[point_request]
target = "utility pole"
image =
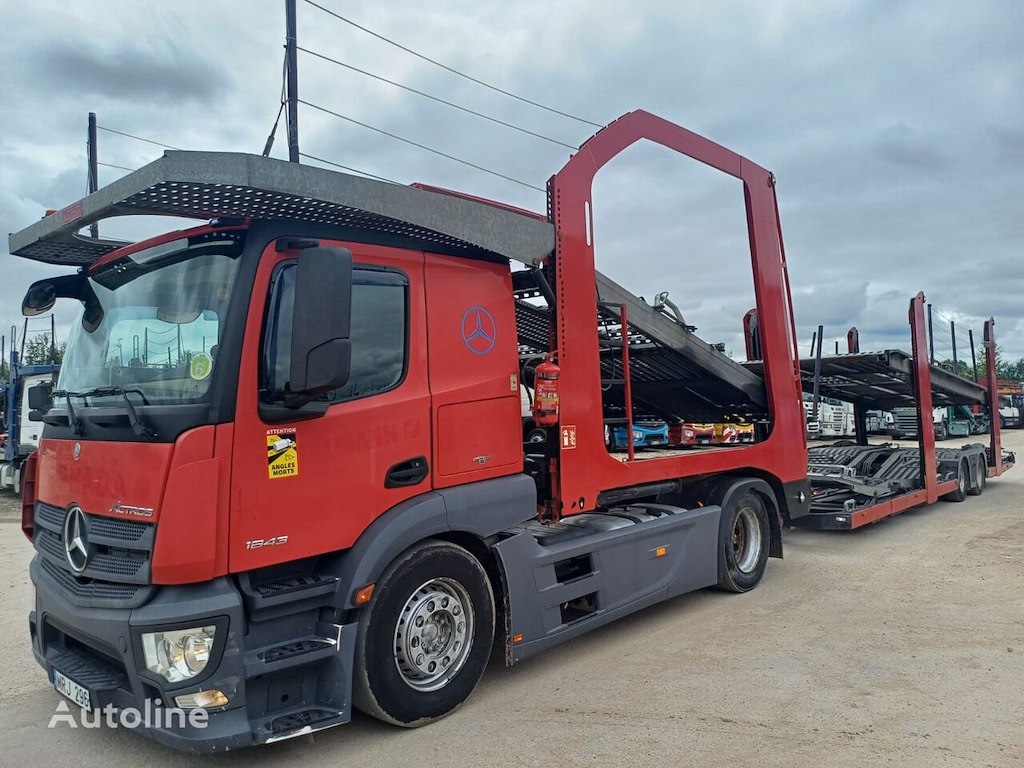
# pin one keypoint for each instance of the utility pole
(952, 335)
(293, 82)
(974, 361)
(931, 338)
(94, 181)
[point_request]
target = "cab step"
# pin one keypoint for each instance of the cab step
(287, 595)
(322, 644)
(297, 722)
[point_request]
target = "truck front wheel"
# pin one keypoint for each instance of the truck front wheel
(743, 539)
(425, 637)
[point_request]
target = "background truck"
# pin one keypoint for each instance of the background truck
(879, 422)
(1009, 412)
(947, 421)
(21, 434)
(337, 508)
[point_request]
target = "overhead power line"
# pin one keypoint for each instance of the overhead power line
(439, 100)
(137, 138)
(454, 71)
(421, 146)
(111, 165)
(348, 168)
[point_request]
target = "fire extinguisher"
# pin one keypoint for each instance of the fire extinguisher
(545, 393)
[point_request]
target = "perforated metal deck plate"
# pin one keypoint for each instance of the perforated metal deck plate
(206, 185)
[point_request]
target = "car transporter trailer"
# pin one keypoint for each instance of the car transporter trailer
(854, 483)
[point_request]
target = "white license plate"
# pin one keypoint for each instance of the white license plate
(704, 441)
(68, 687)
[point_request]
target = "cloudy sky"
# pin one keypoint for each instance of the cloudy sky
(896, 131)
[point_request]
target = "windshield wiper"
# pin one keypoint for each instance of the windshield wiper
(73, 420)
(139, 427)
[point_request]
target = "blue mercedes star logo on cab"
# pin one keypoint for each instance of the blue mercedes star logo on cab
(479, 331)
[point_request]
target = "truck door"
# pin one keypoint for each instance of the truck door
(306, 487)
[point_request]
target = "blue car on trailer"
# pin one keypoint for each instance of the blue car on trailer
(645, 434)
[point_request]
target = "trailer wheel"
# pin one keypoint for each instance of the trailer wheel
(979, 488)
(743, 539)
(425, 637)
(962, 483)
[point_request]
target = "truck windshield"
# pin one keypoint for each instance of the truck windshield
(151, 321)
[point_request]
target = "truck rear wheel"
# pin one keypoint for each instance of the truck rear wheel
(979, 488)
(962, 481)
(743, 540)
(425, 637)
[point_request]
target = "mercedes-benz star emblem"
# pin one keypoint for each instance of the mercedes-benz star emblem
(76, 542)
(479, 331)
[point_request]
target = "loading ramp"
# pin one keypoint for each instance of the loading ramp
(882, 380)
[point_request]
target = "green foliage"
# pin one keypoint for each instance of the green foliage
(39, 351)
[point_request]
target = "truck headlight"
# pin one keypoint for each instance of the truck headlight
(178, 654)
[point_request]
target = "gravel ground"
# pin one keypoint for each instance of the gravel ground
(899, 644)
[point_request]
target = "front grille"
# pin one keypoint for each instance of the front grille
(120, 554)
(89, 590)
(125, 530)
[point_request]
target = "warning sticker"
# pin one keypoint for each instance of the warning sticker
(282, 454)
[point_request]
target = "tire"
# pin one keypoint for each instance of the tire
(979, 488)
(537, 436)
(1002, 422)
(941, 433)
(743, 542)
(963, 478)
(393, 682)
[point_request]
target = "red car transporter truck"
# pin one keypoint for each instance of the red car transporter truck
(283, 471)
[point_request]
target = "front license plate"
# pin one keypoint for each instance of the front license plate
(68, 687)
(704, 441)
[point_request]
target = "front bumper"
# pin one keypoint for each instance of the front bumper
(284, 674)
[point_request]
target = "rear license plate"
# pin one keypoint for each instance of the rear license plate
(68, 687)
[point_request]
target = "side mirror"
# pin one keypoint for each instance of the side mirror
(321, 353)
(40, 400)
(43, 294)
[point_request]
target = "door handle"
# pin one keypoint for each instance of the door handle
(408, 472)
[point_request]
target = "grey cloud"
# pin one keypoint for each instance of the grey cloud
(153, 72)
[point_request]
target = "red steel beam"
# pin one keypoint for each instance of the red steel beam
(628, 394)
(923, 390)
(996, 466)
